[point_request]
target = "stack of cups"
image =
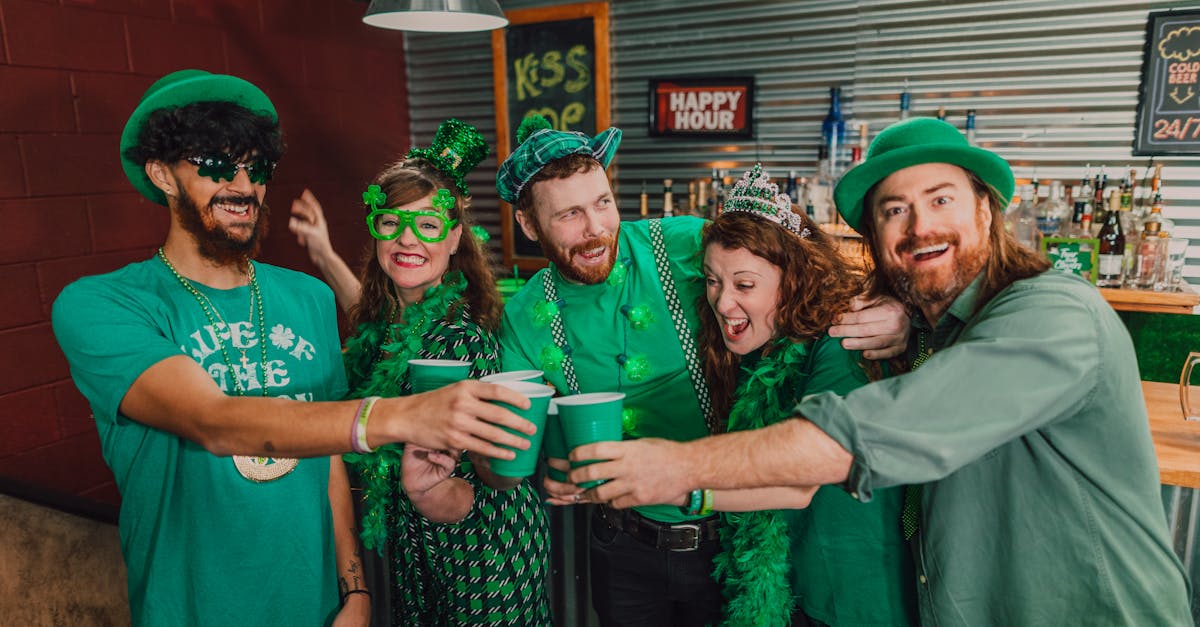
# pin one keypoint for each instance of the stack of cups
(587, 418)
(430, 374)
(525, 461)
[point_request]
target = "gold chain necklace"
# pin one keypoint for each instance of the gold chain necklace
(214, 316)
(255, 468)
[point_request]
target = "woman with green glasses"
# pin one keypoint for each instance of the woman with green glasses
(458, 551)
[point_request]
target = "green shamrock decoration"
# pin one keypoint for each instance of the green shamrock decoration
(637, 368)
(544, 312)
(552, 358)
(640, 317)
(374, 197)
(443, 200)
(629, 421)
(481, 233)
(617, 275)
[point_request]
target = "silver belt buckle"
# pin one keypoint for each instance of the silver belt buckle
(695, 529)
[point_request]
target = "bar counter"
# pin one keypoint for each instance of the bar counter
(1176, 441)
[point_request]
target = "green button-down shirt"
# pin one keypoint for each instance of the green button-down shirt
(1028, 427)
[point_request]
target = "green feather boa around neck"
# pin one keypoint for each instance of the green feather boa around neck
(369, 375)
(754, 563)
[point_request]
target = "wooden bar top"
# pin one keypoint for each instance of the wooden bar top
(1176, 441)
(1179, 302)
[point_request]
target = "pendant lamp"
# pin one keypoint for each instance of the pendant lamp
(436, 16)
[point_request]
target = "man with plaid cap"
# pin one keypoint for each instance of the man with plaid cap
(616, 312)
(1022, 429)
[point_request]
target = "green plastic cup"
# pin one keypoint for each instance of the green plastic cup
(534, 376)
(587, 418)
(525, 462)
(431, 374)
(554, 444)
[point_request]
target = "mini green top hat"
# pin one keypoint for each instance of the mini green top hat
(539, 144)
(914, 142)
(176, 90)
(456, 149)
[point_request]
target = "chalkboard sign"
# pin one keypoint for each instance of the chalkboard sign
(551, 61)
(1168, 117)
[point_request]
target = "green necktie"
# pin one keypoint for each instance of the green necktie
(910, 513)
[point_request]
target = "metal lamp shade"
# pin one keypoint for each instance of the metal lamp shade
(436, 16)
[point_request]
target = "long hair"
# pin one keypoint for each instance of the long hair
(407, 181)
(1007, 260)
(815, 287)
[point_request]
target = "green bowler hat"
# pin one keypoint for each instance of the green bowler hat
(912, 142)
(176, 90)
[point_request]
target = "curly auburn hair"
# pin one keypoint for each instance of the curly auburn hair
(816, 286)
(407, 181)
(204, 128)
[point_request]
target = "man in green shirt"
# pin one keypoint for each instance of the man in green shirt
(1024, 419)
(616, 312)
(194, 363)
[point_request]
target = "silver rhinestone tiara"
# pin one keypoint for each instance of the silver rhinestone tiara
(755, 193)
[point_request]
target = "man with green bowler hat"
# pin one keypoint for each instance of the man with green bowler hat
(1022, 423)
(615, 312)
(194, 361)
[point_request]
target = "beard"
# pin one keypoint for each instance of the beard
(926, 290)
(563, 258)
(216, 242)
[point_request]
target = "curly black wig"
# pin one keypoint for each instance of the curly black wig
(206, 128)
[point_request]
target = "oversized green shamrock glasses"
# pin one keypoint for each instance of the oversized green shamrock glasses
(225, 168)
(428, 226)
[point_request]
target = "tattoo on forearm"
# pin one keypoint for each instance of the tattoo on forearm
(268, 447)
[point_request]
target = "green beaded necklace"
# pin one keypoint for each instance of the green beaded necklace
(214, 316)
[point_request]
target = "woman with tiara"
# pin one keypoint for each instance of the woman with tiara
(775, 283)
(459, 552)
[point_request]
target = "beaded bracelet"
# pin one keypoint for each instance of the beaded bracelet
(706, 504)
(358, 440)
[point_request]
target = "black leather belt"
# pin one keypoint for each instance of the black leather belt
(686, 536)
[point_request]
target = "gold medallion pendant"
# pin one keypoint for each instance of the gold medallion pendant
(263, 469)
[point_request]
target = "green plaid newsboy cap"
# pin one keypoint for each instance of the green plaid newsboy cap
(539, 145)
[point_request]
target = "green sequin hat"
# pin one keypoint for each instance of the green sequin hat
(917, 141)
(456, 149)
(755, 194)
(539, 144)
(179, 89)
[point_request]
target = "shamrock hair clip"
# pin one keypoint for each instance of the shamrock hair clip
(443, 200)
(374, 197)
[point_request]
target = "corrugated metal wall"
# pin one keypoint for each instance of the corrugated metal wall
(1054, 84)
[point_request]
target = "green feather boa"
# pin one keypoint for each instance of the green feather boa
(368, 375)
(754, 563)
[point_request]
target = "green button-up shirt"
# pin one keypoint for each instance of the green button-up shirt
(1028, 427)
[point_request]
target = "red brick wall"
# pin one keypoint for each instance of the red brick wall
(71, 71)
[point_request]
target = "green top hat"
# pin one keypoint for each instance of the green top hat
(456, 149)
(914, 142)
(176, 90)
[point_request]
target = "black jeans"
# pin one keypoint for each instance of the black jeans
(635, 584)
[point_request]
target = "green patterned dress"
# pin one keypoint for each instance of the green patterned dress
(488, 569)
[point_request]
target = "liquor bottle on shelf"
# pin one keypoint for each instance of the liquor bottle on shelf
(806, 196)
(859, 152)
(644, 202)
(1127, 190)
(1052, 211)
(1082, 207)
(905, 101)
(941, 114)
(1152, 245)
(792, 189)
(715, 195)
(1099, 208)
(1112, 251)
(702, 202)
(1022, 220)
(833, 131)
(971, 129)
(668, 202)
(691, 203)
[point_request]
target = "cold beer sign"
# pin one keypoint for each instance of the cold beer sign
(709, 107)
